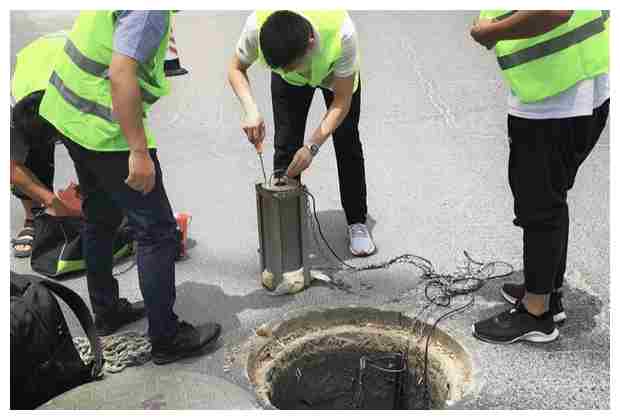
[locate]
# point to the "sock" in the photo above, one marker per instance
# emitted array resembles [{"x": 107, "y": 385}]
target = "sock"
[{"x": 547, "y": 297}]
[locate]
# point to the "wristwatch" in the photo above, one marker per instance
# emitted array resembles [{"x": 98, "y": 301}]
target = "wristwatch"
[{"x": 314, "y": 148}]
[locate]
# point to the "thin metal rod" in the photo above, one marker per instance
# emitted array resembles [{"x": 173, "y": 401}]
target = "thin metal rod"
[{"x": 262, "y": 165}]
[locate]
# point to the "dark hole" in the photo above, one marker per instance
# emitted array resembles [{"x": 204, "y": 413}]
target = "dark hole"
[{"x": 331, "y": 381}]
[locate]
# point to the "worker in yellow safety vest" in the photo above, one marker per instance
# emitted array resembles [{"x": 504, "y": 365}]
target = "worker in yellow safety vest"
[
  {"x": 556, "y": 66},
  {"x": 104, "y": 83},
  {"x": 305, "y": 50},
  {"x": 33, "y": 138}
]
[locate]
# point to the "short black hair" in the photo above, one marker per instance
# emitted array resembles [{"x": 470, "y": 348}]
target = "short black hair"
[{"x": 284, "y": 38}]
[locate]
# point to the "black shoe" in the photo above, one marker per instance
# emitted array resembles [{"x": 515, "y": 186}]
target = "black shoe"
[
  {"x": 124, "y": 313},
  {"x": 514, "y": 292},
  {"x": 189, "y": 341},
  {"x": 514, "y": 325}
]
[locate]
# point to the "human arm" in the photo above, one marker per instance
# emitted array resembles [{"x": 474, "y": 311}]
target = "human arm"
[
  {"x": 29, "y": 184},
  {"x": 127, "y": 105},
  {"x": 25, "y": 128},
  {"x": 252, "y": 122},
  {"x": 138, "y": 35},
  {"x": 246, "y": 53},
  {"x": 522, "y": 24}
]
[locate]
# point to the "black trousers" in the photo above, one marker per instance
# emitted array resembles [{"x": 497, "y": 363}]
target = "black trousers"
[
  {"x": 290, "y": 112},
  {"x": 32, "y": 141},
  {"x": 544, "y": 158}
]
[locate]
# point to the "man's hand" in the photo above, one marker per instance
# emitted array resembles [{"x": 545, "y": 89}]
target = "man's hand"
[
  {"x": 127, "y": 106},
  {"x": 254, "y": 128},
  {"x": 301, "y": 161},
  {"x": 141, "y": 172},
  {"x": 57, "y": 208},
  {"x": 482, "y": 33},
  {"x": 252, "y": 123}
]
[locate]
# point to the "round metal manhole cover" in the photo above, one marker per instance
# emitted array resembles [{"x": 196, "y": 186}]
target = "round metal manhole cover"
[
  {"x": 357, "y": 358},
  {"x": 155, "y": 388}
]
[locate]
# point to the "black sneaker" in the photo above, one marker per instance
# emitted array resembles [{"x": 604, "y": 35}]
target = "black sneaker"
[
  {"x": 189, "y": 341},
  {"x": 514, "y": 292},
  {"x": 124, "y": 313},
  {"x": 514, "y": 325}
]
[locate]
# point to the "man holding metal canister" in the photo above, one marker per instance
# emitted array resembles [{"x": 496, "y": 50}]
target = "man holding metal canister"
[
  {"x": 306, "y": 50},
  {"x": 556, "y": 64}
]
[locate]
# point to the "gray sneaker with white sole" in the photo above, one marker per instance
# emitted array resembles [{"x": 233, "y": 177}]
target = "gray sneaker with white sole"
[{"x": 360, "y": 241}]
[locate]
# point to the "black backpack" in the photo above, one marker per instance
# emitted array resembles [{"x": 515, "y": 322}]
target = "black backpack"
[{"x": 44, "y": 360}]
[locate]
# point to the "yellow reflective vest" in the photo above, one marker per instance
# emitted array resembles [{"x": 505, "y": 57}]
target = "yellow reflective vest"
[
  {"x": 78, "y": 100},
  {"x": 546, "y": 65}
]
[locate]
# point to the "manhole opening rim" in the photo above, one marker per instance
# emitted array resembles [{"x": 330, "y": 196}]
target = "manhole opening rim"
[{"x": 280, "y": 349}]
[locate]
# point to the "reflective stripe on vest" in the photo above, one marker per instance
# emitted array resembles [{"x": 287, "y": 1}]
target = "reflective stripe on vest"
[
  {"x": 85, "y": 63},
  {"x": 545, "y": 65},
  {"x": 78, "y": 100},
  {"x": 553, "y": 45},
  {"x": 84, "y": 105},
  {"x": 96, "y": 69}
]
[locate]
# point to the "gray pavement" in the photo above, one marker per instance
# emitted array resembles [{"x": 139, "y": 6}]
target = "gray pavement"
[{"x": 433, "y": 128}]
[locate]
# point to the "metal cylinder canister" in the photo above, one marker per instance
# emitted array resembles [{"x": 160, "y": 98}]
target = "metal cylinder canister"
[{"x": 281, "y": 211}]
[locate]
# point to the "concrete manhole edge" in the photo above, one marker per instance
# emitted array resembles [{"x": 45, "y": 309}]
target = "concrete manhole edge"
[{"x": 282, "y": 332}]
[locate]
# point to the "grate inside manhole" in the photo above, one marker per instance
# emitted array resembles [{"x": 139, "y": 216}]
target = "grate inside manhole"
[
  {"x": 358, "y": 362},
  {"x": 349, "y": 381}
]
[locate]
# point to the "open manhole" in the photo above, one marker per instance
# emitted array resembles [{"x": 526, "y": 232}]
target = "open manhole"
[{"x": 357, "y": 358}]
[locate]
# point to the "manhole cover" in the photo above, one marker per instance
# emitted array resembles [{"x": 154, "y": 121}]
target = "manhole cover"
[
  {"x": 152, "y": 387},
  {"x": 357, "y": 358}
]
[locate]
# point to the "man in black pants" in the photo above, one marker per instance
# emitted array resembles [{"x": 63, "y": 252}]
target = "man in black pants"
[
  {"x": 549, "y": 139},
  {"x": 306, "y": 50},
  {"x": 32, "y": 165},
  {"x": 101, "y": 89}
]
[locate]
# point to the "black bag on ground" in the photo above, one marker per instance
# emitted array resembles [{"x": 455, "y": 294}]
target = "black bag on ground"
[
  {"x": 44, "y": 360},
  {"x": 57, "y": 245}
]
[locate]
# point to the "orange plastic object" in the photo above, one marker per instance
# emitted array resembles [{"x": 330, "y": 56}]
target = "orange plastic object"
[
  {"x": 71, "y": 198},
  {"x": 183, "y": 221}
]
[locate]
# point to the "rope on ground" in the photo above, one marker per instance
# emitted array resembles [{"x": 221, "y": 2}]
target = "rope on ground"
[{"x": 119, "y": 350}]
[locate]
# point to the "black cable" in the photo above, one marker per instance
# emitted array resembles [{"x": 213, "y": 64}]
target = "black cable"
[
  {"x": 318, "y": 225},
  {"x": 446, "y": 282},
  {"x": 428, "y": 340}
]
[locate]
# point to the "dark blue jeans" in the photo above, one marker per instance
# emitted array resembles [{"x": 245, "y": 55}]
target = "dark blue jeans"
[{"x": 106, "y": 199}]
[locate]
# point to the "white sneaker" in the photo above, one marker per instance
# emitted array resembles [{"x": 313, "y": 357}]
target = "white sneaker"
[{"x": 360, "y": 242}]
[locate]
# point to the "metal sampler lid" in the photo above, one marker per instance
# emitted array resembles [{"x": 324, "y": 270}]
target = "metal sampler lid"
[{"x": 284, "y": 184}]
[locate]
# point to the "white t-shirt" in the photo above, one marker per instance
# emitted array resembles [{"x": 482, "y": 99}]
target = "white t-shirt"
[
  {"x": 577, "y": 101},
  {"x": 346, "y": 65}
]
